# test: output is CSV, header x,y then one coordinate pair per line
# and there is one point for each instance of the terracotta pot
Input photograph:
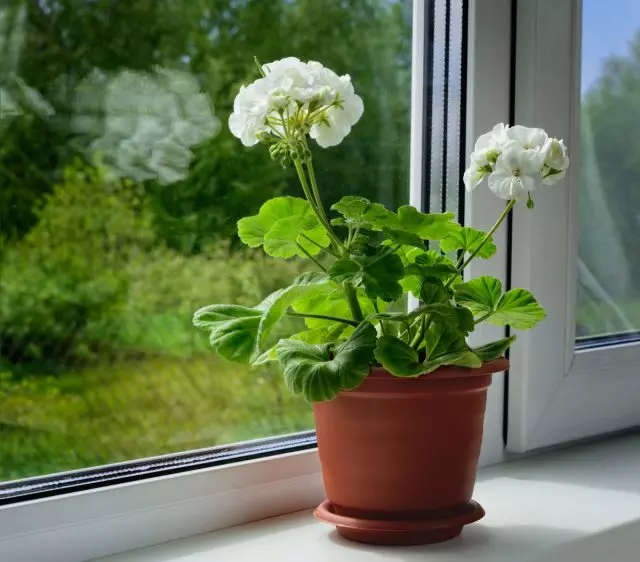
x,y
399,456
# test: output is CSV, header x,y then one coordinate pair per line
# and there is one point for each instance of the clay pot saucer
x,y
430,528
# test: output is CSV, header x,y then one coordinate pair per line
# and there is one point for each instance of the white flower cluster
x,y
305,96
516,160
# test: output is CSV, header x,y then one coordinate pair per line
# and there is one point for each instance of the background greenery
x,y
102,270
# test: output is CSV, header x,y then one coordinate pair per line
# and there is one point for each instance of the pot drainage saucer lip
x,y
429,530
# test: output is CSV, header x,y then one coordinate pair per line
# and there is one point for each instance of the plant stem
x,y
314,260
377,309
314,188
384,255
490,233
352,299
462,263
484,317
318,211
323,317
312,241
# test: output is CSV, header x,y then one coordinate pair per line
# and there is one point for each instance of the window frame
x,y
100,521
557,392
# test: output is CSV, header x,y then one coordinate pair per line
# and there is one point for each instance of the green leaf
x,y
409,253
329,300
432,257
239,333
324,335
432,226
276,304
446,346
398,357
253,229
403,237
431,293
359,211
466,323
483,296
345,270
381,275
437,270
468,239
411,284
421,266
266,357
284,237
320,372
434,264
519,309
281,224
494,350
466,358
233,330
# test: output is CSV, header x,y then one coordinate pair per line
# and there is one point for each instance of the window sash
x,y
557,392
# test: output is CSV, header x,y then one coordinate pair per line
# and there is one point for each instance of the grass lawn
x,y
136,408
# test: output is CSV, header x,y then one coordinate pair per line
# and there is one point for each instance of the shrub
x,y
92,279
64,286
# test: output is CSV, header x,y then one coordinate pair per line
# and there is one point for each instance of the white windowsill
x,y
534,505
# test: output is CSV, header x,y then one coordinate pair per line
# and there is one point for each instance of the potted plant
x,y
399,395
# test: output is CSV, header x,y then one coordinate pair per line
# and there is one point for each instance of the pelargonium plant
x,y
364,257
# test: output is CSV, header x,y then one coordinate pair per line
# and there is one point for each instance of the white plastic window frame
x,y
558,393
95,523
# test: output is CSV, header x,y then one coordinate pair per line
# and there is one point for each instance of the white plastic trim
x,y
488,95
555,393
99,522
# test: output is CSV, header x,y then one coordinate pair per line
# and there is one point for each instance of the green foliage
x,y
398,357
495,350
319,372
359,212
517,307
64,287
381,274
240,334
447,346
233,330
481,295
390,259
283,225
468,239
428,226
137,407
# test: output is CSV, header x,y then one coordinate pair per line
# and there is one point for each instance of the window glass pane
x,y
447,93
120,191
609,200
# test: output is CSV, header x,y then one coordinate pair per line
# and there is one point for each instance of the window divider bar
x,y
445,105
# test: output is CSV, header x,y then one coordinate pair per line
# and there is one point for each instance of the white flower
x,y
556,161
291,78
309,96
473,176
341,116
250,110
517,172
489,146
527,137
